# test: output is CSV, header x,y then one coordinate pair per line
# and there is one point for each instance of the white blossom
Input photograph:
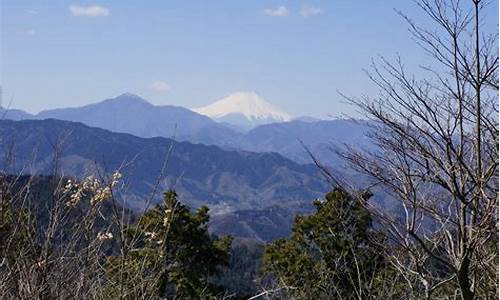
x,y
104,236
115,178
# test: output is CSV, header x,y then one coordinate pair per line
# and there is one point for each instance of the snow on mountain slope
x,y
245,109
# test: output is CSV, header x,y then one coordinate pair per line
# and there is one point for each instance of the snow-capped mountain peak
x,y
244,109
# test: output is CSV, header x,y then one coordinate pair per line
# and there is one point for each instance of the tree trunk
x,y
463,280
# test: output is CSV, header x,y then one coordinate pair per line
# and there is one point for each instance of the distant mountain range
x,y
226,181
129,113
323,138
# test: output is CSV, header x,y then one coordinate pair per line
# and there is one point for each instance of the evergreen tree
x,y
173,253
331,253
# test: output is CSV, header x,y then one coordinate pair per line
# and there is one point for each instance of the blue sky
x,y
296,54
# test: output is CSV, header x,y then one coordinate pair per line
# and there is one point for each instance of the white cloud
x,y
32,12
89,11
308,10
30,32
160,86
281,11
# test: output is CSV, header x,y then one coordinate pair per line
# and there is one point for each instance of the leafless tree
x,y
437,153
57,235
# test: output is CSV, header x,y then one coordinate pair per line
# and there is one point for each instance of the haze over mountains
x,y
129,113
14,114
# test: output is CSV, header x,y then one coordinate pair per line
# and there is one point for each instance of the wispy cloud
x,y
89,11
309,10
32,12
160,86
280,11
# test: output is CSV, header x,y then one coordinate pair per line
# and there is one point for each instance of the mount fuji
x,y
244,109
